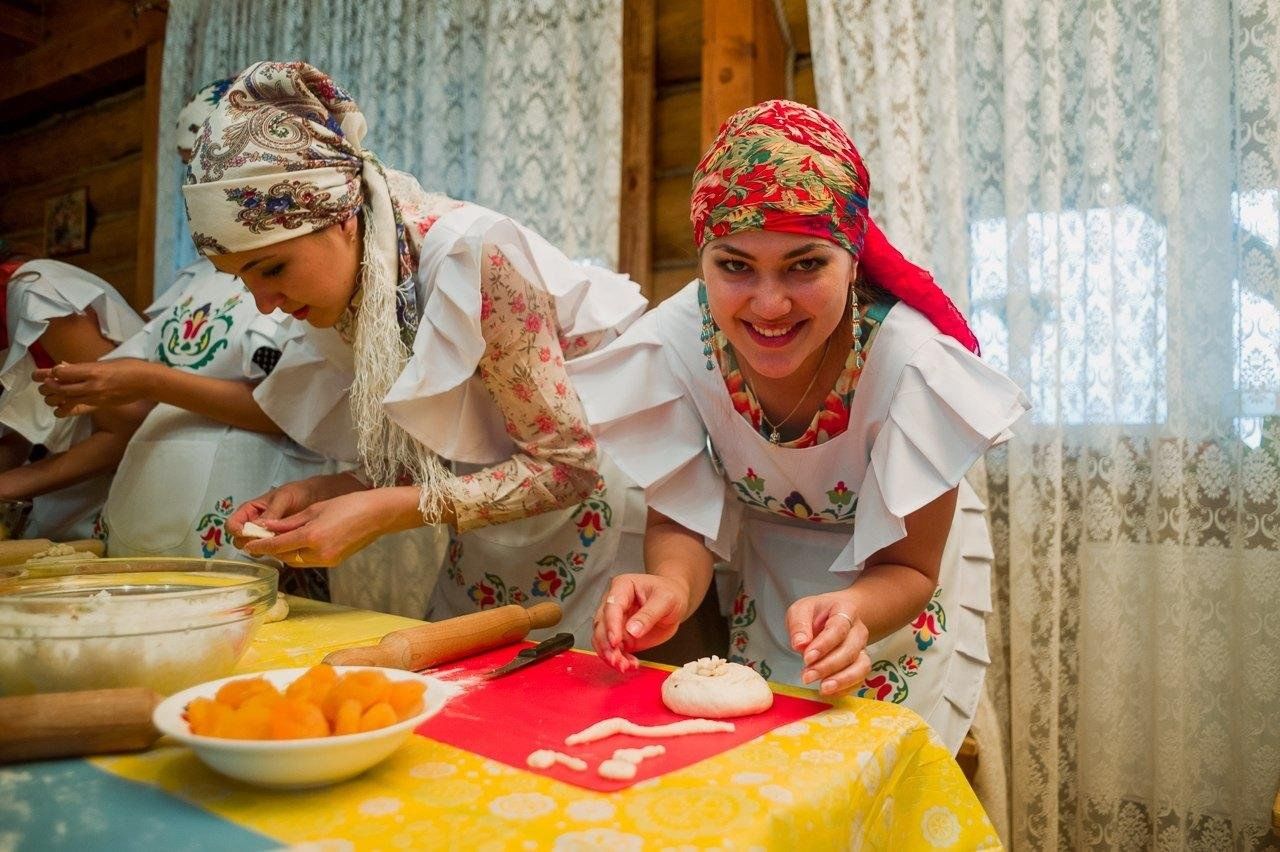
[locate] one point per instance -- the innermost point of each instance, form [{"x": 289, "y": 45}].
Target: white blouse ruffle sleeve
[
  {"x": 306, "y": 393},
  {"x": 41, "y": 291},
  {"x": 946, "y": 410},
  {"x": 438, "y": 399},
  {"x": 642, "y": 415}
]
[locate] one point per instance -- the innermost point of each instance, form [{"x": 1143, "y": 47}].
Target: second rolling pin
[{"x": 417, "y": 648}]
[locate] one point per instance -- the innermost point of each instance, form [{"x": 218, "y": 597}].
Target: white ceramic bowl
[{"x": 296, "y": 764}]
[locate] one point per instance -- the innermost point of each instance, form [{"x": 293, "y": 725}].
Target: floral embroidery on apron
[
  {"x": 558, "y": 577},
  {"x": 741, "y": 617},
  {"x": 842, "y": 503},
  {"x": 212, "y": 526},
  {"x": 192, "y": 336}
]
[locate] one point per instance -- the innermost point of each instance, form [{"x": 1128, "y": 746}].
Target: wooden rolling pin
[
  {"x": 415, "y": 648},
  {"x": 17, "y": 551},
  {"x": 68, "y": 724}
]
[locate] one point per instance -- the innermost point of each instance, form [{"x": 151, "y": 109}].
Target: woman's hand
[
  {"x": 72, "y": 389},
  {"x": 638, "y": 612},
  {"x": 288, "y": 499},
  {"x": 328, "y": 531},
  {"x": 832, "y": 640}
]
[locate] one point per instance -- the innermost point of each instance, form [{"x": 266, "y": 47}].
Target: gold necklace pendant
[{"x": 774, "y": 436}]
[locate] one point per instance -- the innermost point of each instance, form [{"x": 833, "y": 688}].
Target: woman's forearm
[
  {"x": 99, "y": 453},
  {"x": 678, "y": 554},
  {"x": 898, "y": 581},
  {"x": 888, "y": 596},
  {"x": 224, "y": 400}
]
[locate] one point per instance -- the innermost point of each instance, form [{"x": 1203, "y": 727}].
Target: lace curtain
[
  {"x": 1104, "y": 176},
  {"x": 515, "y": 104}
]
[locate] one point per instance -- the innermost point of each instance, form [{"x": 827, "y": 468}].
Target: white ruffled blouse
[
  {"x": 925, "y": 410},
  {"x": 41, "y": 291},
  {"x": 501, "y": 312}
]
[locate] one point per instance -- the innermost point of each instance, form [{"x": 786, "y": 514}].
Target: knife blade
[{"x": 528, "y": 656}]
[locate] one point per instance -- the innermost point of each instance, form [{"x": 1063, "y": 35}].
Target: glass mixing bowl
[{"x": 161, "y": 623}]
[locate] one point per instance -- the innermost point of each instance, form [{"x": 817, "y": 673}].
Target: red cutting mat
[{"x": 538, "y": 706}]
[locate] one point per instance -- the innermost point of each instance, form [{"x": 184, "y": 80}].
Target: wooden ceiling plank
[
  {"x": 20, "y": 25},
  {"x": 114, "y": 33}
]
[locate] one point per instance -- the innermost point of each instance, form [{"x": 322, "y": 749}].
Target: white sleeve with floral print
[{"x": 523, "y": 370}]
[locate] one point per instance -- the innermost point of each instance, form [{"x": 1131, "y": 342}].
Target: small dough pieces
[
  {"x": 635, "y": 755},
  {"x": 622, "y": 766},
  {"x": 61, "y": 553},
  {"x": 617, "y": 770},
  {"x": 545, "y": 758},
  {"x": 713, "y": 688},
  {"x": 618, "y": 725},
  {"x": 279, "y": 610},
  {"x": 252, "y": 530}
]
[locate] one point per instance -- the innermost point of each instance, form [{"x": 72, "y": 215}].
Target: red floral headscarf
[{"x": 783, "y": 166}]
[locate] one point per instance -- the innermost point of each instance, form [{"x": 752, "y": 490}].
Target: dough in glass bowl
[{"x": 712, "y": 688}]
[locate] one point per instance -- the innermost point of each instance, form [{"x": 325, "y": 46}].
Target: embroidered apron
[
  {"x": 183, "y": 474},
  {"x": 800, "y": 508},
  {"x": 568, "y": 557}
]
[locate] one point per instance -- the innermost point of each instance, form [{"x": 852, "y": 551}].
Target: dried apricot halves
[{"x": 319, "y": 703}]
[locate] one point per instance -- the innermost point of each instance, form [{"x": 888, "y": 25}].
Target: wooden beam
[
  {"x": 112, "y": 33},
  {"x": 639, "y": 44},
  {"x": 145, "y": 289},
  {"x": 744, "y": 59},
  {"x": 679, "y": 51},
  {"x": 20, "y": 25}
]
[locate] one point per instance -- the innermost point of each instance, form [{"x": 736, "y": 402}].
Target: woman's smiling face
[
  {"x": 777, "y": 297},
  {"x": 312, "y": 277}
]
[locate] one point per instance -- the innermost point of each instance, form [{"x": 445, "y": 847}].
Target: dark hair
[{"x": 868, "y": 293}]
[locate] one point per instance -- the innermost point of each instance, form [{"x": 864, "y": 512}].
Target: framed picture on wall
[{"x": 66, "y": 222}]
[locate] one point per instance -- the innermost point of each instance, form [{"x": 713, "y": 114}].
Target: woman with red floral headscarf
[{"x": 819, "y": 400}]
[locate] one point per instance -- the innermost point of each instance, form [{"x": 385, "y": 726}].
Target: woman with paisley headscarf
[
  {"x": 436, "y": 330},
  {"x": 206, "y": 443},
  {"x": 820, "y": 402}
]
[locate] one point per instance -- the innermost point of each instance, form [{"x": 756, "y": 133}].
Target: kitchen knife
[
  {"x": 416, "y": 648},
  {"x": 528, "y": 656}
]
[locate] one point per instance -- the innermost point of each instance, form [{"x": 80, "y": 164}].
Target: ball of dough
[
  {"x": 712, "y": 688},
  {"x": 279, "y": 610},
  {"x": 252, "y": 530}
]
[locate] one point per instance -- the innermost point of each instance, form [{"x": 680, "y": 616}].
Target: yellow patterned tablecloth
[{"x": 862, "y": 775}]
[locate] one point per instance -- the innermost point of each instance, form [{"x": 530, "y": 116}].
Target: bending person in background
[
  {"x": 819, "y": 402},
  {"x": 438, "y": 331},
  {"x": 55, "y": 312}
]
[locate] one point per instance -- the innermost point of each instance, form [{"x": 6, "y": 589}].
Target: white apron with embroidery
[
  {"x": 784, "y": 518},
  {"x": 183, "y": 473},
  {"x": 40, "y": 291},
  {"x": 567, "y": 556}
]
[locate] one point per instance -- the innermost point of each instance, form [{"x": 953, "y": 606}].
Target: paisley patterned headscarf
[
  {"x": 199, "y": 108},
  {"x": 784, "y": 166},
  {"x": 280, "y": 157}
]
